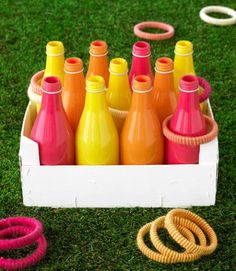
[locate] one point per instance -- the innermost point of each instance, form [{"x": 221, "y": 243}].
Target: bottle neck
[
  {"x": 188, "y": 119},
  {"x": 141, "y": 101},
  {"x": 51, "y": 102},
  {"x": 55, "y": 67},
  {"x": 72, "y": 82},
  {"x": 140, "y": 65},
  {"x": 189, "y": 101},
  {"x": 139, "y": 59},
  {"x": 98, "y": 65},
  {"x": 164, "y": 82},
  {"x": 118, "y": 93},
  {"x": 184, "y": 63},
  {"x": 118, "y": 83},
  {"x": 95, "y": 101}
]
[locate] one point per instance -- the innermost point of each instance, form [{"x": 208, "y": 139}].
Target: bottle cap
[
  {"x": 98, "y": 47},
  {"x": 183, "y": 47},
  {"x": 73, "y": 65},
  {"x": 95, "y": 83},
  {"x": 164, "y": 64},
  {"x": 119, "y": 66},
  {"x": 142, "y": 83},
  {"x": 51, "y": 85},
  {"x": 55, "y": 48},
  {"x": 141, "y": 48},
  {"x": 188, "y": 83}
]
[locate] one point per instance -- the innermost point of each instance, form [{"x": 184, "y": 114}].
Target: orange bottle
[
  {"x": 73, "y": 94},
  {"x": 164, "y": 94},
  {"x": 98, "y": 63},
  {"x": 141, "y": 138}
]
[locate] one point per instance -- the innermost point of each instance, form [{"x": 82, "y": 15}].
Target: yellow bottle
[
  {"x": 97, "y": 141},
  {"x": 54, "y": 62},
  {"x": 118, "y": 93},
  {"x": 183, "y": 64}
]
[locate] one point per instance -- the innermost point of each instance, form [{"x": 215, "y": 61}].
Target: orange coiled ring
[
  {"x": 183, "y": 226},
  {"x": 181, "y": 240},
  {"x": 188, "y": 140}
]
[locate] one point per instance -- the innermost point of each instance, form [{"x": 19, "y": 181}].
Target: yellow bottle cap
[
  {"x": 95, "y": 83},
  {"x": 183, "y": 47},
  {"x": 55, "y": 48},
  {"x": 119, "y": 66}
]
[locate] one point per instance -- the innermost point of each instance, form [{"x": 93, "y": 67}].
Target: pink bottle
[
  {"x": 187, "y": 120},
  {"x": 51, "y": 128},
  {"x": 141, "y": 63}
]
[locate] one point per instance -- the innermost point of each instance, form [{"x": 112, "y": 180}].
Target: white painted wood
[{"x": 116, "y": 186}]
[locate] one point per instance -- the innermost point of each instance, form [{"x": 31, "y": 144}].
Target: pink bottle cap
[
  {"x": 188, "y": 83},
  {"x": 141, "y": 48},
  {"x": 51, "y": 84}
]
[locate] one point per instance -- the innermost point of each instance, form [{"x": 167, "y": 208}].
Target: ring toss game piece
[
  {"x": 150, "y": 36},
  {"x": 21, "y": 232},
  {"x": 216, "y": 21},
  {"x": 183, "y": 226}
]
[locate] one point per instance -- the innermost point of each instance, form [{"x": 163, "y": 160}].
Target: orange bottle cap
[
  {"x": 164, "y": 65},
  {"x": 98, "y": 48},
  {"x": 142, "y": 84},
  {"x": 73, "y": 65}
]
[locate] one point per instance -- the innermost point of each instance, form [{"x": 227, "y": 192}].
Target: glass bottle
[
  {"x": 51, "y": 129},
  {"x": 73, "y": 94},
  {"x": 141, "y": 63},
  {"x": 98, "y": 63},
  {"x": 164, "y": 95},
  {"x": 54, "y": 62},
  {"x": 118, "y": 93},
  {"x": 187, "y": 120},
  {"x": 183, "y": 65},
  {"x": 141, "y": 136},
  {"x": 97, "y": 140}
]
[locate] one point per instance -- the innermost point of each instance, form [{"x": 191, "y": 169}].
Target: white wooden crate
[{"x": 115, "y": 186}]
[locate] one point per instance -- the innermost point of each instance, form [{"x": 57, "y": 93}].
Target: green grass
[{"x": 104, "y": 239}]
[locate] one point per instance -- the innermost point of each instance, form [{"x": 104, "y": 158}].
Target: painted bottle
[
  {"x": 187, "y": 120},
  {"x": 97, "y": 140},
  {"x": 164, "y": 95},
  {"x": 141, "y": 63},
  {"x": 51, "y": 129},
  {"x": 183, "y": 65},
  {"x": 118, "y": 93},
  {"x": 98, "y": 63},
  {"x": 73, "y": 94},
  {"x": 141, "y": 137},
  {"x": 54, "y": 62}
]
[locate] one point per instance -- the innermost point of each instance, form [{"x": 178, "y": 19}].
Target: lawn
[{"x": 104, "y": 239}]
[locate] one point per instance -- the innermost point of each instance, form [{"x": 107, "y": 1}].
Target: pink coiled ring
[
  {"x": 34, "y": 225},
  {"x": 150, "y": 36},
  {"x": 20, "y": 232}
]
